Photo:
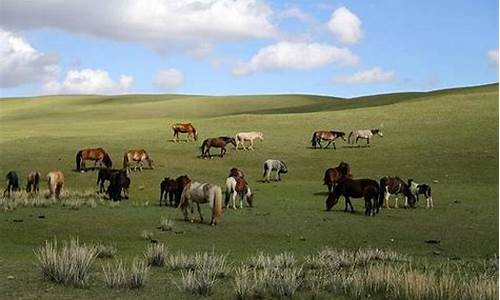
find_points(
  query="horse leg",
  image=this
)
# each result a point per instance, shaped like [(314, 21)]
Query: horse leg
[(278, 176), (350, 204), (406, 202), (234, 199), (222, 152), (199, 211), (328, 144), (346, 201), (251, 145), (368, 142), (431, 203), (386, 199), (396, 204)]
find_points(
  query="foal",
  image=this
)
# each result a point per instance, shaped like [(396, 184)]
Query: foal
[(422, 189)]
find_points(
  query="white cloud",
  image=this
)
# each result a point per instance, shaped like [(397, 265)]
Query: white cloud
[(200, 51), (374, 75), (296, 13), (20, 63), (345, 25), (298, 56), (168, 80), (493, 56), (153, 22), (88, 81)]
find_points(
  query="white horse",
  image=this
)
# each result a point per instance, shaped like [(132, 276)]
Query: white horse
[(366, 134), (200, 193), (248, 136), (238, 186), (274, 165)]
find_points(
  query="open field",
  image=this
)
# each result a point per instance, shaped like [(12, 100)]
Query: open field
[(446, 138)]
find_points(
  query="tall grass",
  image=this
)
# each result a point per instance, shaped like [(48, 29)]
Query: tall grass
[(69, 263), (156, 254), (72, 199), (116, 275)]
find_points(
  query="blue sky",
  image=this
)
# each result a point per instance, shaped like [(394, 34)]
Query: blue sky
[(340, 48)]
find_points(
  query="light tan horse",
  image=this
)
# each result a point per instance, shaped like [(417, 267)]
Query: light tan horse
[(200, 193), (55, 181), (139, 156), (248, 136), (184, 128)]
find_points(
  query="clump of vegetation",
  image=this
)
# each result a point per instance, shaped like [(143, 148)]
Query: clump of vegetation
[(105, 251), (69, 264), (116, 275), (166, 224), (181, 261), (147, 235), (156, 254), (70, 199), (282, 260)]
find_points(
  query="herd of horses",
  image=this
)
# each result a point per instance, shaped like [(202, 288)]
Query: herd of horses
[(184, 193)]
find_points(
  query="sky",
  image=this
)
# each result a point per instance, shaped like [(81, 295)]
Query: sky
[(228, 47)]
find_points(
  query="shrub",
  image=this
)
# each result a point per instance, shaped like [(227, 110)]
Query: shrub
[(115, 274), (199, 281), (155, 254), (105, 251), (166, 224), (70, 264), (138, 274)]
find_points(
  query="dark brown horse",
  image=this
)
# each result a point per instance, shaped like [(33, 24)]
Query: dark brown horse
[(98, 155), (334, 175), (323, 135), (395, 186), (119, 181), (219, 142), (12, 183), (356, 188), (105, 175), (168, 189), (184, 128), (33, 182), (182, 182)]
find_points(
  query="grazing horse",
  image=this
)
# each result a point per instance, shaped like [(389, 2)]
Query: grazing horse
[(119, 181), (356, 188), (96, 154), (274, 165), (395, 186), (184, 128), (421, 189), (200, 193), (105, 175), (12, 183), (168, 189), (248, 136), (329, 136), (219, 142), (235, 172), (139, 156), (334, 175), (55, 180), (33, 182), (238, 186), (366, 134)]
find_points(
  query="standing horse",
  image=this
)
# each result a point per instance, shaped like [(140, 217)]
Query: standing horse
[(139, 156), (274, 165), (238, 186), (200, 193), (168, 188), (334, 175), (55, 180), (329, 136), (219, 142), (96, 154), (356, 188), (119, 181), (421, 189), (33, 182), (184, 128), (395, 186), (366, 134), (12, 183), (248, 136)]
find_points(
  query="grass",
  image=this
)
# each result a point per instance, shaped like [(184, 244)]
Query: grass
[(448, 139)]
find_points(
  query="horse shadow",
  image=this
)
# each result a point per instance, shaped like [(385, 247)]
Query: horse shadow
[(320, 193), (355, 146), (87, 169)]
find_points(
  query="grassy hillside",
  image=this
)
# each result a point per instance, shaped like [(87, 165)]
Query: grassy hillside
[(446, 138)]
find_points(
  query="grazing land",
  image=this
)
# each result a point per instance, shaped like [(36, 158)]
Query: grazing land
[(447, 138)]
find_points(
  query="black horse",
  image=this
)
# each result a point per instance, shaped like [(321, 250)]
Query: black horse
[(105, 175), (12, 183), (356, 188), (119, 181), (168, 190)]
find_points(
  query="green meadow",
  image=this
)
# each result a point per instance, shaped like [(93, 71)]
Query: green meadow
[(446, 138)]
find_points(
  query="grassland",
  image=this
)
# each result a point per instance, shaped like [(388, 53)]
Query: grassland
[(447, 138)]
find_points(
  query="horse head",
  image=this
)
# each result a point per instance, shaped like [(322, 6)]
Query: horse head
[(341, 135), (333, 199), (377, 131), (151, 163), (283, 168), (261, 136), (107, 161)]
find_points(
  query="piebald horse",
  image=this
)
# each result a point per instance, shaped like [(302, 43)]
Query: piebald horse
[(366, 134), (98, 155), (238, 186), (422, 189), (184, 128), (55, 180), (395, 186), (248, 136), (199, 193), (138, 156), (329, 136)]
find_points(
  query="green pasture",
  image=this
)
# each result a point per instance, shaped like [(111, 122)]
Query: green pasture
[(448, 139)]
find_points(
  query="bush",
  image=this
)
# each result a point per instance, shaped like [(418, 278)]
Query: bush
[(138, 274), (70, 264), (155, 254), (105, 251)]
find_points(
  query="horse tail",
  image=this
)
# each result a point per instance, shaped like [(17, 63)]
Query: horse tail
[(217, 208), (265, 169), (326, 177), (313, 140), (381, 192), (125, 161), (78, 160), (195, 134)]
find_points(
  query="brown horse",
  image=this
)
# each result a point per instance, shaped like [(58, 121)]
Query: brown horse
[(33, 182), (337, 174), (55, 180), (238, 186), (356, 188), (235, 172), (184, 128), (95, 154), (168, 189), (139, 156), (219, 142), (323, 135)]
